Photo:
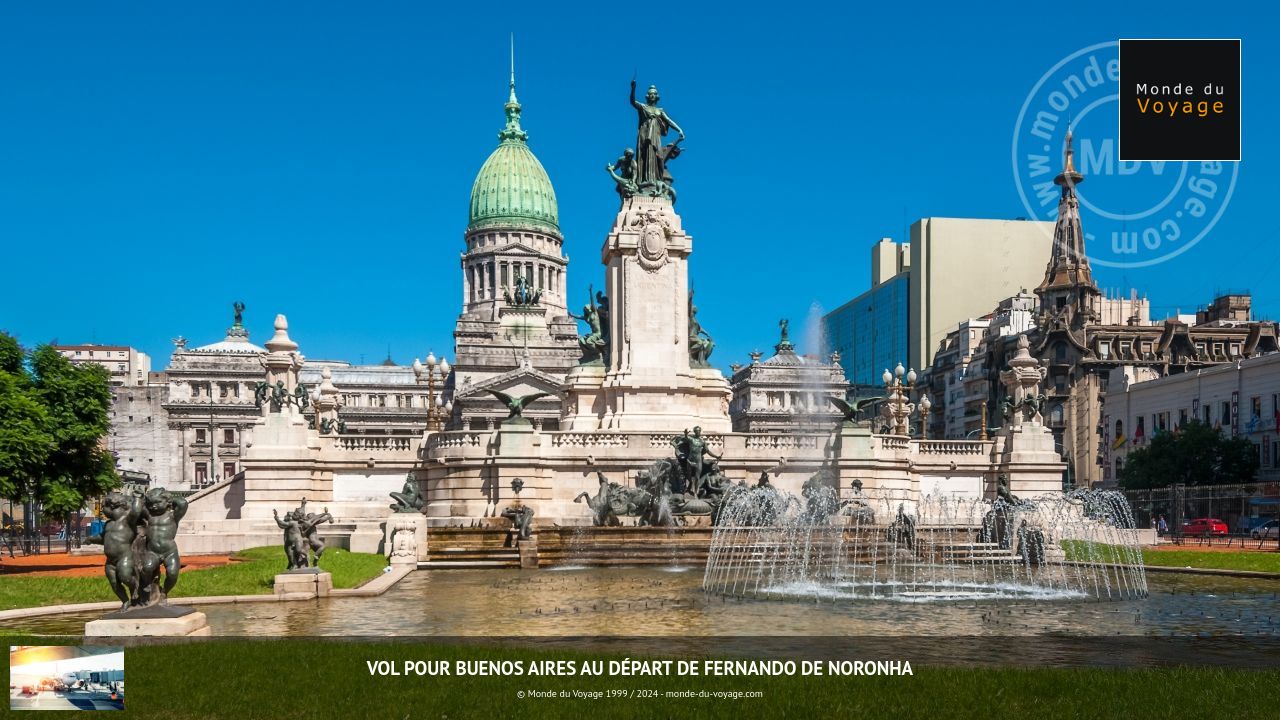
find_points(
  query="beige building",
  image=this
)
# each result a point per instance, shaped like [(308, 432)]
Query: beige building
[(127, 365), (948, 253)]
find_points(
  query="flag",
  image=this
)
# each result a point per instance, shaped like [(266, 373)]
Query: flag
[(1119, 443)]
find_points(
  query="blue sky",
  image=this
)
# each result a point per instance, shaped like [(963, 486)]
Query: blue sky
[(161, 160)]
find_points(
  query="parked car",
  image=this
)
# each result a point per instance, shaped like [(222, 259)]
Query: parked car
[(1204, 526), (1266, 530)]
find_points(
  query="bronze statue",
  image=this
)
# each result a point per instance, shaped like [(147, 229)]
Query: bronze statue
[(623, 173), (162, 513), (300, 535), (408, 499), (690, 450), (595, 344), (239, 310), (784, 324), (1002, 490), (123, 514), (700, 343), (516, 405), (524, 295), (850, 412), (139, 541), (650, 173), (520, 515), (602, 512)]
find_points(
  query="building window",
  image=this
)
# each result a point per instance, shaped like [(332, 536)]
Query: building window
[(228, 436), (1055, 415), (202, 473), (228, 469), (1104, 350), (1124, 348), (200, 435)]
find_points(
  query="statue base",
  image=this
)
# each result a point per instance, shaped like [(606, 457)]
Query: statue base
[(405, 541), (313, 582), (190, 623), (528, 553)]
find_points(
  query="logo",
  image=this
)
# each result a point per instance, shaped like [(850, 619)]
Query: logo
[(1135, 214)]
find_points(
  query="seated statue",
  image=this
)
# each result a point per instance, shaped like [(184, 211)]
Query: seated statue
[(408, 499)]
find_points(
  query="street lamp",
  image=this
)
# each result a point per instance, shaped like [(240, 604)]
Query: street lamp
[(925, 405), (898, 393), (433, 370)]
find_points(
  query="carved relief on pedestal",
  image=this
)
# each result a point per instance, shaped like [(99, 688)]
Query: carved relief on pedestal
[(655, 230)]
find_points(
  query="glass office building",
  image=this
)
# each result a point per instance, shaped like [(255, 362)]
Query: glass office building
[(870, 331)]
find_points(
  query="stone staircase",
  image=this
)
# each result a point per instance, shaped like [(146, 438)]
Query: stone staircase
[(463, 548)]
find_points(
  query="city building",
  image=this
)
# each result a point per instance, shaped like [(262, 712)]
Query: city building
[(1240, 398), (947, 254), (128, 366), (787, 393), (514, 333), (870, 331), (921, 289), (1081, 336), (187, 427)]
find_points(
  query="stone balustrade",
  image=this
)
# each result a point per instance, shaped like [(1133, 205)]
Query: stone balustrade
[(587, 439), (895, 442), (783, 442), (953, 447), (378, 443), (456, 439)]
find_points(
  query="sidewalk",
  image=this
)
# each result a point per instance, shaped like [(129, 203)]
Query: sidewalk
[(63, 564)]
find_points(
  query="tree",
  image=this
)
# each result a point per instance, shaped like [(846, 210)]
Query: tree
[(53, 418), (1195, 455)]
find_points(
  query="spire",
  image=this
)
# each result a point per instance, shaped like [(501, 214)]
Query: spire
[(513, 132), (1068, 265)]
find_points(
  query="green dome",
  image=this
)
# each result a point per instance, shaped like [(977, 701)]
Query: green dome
[(512, 190)]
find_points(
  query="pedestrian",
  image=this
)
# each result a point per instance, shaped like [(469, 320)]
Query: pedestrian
[(1162, 527)]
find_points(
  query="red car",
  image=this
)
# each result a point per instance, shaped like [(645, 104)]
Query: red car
[(1204, 526)]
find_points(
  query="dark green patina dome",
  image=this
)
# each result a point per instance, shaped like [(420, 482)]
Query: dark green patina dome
[(512, 190)]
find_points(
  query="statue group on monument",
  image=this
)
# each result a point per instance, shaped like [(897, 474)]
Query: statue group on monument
[(594, 344), (139, 540), (280, 396), (689, 484), (302, 546), (643, 170), (523, 294)]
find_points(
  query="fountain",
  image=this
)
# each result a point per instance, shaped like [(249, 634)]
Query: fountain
[(938, 546)]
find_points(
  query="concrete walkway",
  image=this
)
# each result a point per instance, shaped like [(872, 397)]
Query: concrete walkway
[(376, 586)]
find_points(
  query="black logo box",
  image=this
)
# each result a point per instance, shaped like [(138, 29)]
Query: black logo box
[(1208, 133)]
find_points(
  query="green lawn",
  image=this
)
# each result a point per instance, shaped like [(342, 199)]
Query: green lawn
[(251, 575), (1256, 561), (243, 679)]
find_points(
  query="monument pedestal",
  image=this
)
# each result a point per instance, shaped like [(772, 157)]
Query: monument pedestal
[(406, 538), (650, 383), (1032, 461), (312, 581), (528, 553), (147, 622)]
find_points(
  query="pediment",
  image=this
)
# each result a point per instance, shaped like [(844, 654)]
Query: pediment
[(516, 383)]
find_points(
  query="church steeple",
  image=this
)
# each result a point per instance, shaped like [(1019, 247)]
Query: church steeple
[(1068, 279)]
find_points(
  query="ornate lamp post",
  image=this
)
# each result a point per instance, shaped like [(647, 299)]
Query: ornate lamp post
[(925, 405), (433, 371), (897, 408)]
